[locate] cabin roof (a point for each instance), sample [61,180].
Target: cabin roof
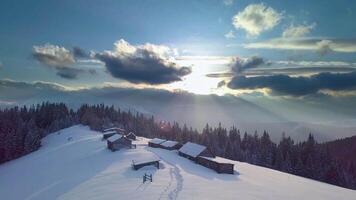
[114,137]
[113,129]
[131,133]
[110,132]
[192,149]
[218,159]
[145,160]
[169,143]
[157,141]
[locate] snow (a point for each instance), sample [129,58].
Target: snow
[110,132]
[169,143]
[146,160]
[83,168]
[114,129]
[217,159]
[114,137]
[157,141]
[192,149]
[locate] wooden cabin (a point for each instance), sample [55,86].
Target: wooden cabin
[108,134]
[170,145]
[137,164]
[155,142]
[117,142]
[192,151]
[131,136]
[220,165]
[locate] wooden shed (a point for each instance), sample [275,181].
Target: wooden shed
[170,145]
[117,142]
[131,136]
[155,142]
[192,151]
[220,165]
[137,164]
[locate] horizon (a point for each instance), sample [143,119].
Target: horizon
[229,61]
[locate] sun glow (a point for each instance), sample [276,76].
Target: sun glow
[197,82]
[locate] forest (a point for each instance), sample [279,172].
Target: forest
[22,128]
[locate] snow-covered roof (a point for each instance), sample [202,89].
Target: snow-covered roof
[217,159]
[110,132]
[145,160]
[157,141]
[114,137]
[169,143]
[113,129]
[192,149]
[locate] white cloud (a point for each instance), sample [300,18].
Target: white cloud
[297,31]
[228,2]
[324,46]
[230,35]
[314,44]
[256,18]
[62,60]
[53,55]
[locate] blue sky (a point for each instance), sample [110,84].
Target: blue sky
[203,47]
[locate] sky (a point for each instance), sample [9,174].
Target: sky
[262,51]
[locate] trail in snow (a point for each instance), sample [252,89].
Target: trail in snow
[176,179]
[179,180]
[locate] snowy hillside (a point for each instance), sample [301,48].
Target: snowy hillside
[75,164]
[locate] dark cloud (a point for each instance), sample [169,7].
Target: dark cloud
[239,65]
[62,60]
[80,53]
[297,86]
[221,83]
[68,73]
[148,64]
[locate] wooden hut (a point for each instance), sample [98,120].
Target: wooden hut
[108,134]
[117,142]
[137,164]
[131,136]
[192,151]
[170,145]
[155,142]
[220,165]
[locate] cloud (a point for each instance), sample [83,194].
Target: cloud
[293,68]
[319,45]
[80,53]
[65,62]
[230,35]
[221,84]
[297,86]
[228,2]
[324,46]
[54,56]
[297,31]
[239,65]
[148,63]
[256,18]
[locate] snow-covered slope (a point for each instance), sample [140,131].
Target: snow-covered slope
[75,164]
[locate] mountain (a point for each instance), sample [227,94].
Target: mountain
[74,163]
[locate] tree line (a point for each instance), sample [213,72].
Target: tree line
[21,130]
